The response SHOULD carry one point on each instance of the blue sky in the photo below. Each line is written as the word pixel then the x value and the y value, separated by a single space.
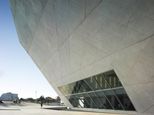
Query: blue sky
pixel 18 73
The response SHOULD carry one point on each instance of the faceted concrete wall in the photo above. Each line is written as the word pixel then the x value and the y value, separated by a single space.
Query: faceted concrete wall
pixel 73 39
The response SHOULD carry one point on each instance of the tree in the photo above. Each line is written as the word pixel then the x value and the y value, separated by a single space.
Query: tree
pixel 58 99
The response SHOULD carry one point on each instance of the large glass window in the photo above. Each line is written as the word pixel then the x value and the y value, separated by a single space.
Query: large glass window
pixel 102 91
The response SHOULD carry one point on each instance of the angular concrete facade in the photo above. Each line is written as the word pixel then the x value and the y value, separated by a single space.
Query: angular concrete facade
pixel 70 40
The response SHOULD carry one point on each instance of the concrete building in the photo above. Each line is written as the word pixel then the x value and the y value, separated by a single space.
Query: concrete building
pixel 97 54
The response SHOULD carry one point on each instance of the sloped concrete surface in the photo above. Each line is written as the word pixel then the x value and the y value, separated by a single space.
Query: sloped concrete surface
pixel 70 40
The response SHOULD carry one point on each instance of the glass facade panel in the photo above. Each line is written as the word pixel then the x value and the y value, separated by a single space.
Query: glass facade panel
pixel 112 79
pixel 102 91
pixel 77 87
pixel 105 103
pixel 95 99
pixel 73 100
pixel 91 83
pixel 87 100
pixel 124 99
pixel 116 104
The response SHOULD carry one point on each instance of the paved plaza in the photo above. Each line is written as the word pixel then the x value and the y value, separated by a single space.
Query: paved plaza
pixel 34 109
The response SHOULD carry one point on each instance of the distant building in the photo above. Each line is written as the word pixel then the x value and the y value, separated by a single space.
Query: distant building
pixel 9 97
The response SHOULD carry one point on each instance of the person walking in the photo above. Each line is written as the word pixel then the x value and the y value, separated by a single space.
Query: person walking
pixel 41 101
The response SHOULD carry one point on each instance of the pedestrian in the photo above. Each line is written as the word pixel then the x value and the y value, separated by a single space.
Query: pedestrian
pixel 41 101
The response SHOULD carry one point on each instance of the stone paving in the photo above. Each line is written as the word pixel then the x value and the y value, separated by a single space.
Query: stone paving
pixel 34 109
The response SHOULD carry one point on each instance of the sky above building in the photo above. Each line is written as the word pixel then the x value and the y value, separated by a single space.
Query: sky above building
pixel 18 73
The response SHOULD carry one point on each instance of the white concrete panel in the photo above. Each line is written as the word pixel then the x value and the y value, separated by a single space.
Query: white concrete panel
pixel 125 61
pixel 91 5
pixel 42 43
pixel 140 96
pixel 47 27
pixel 145 8
pixel 62 21
pixel 76 14
pixel 102 30
pixel 75 62
pixel 148 49
pixel 87 51
pixel 52 69
pixel 64 56
pixel 33 12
